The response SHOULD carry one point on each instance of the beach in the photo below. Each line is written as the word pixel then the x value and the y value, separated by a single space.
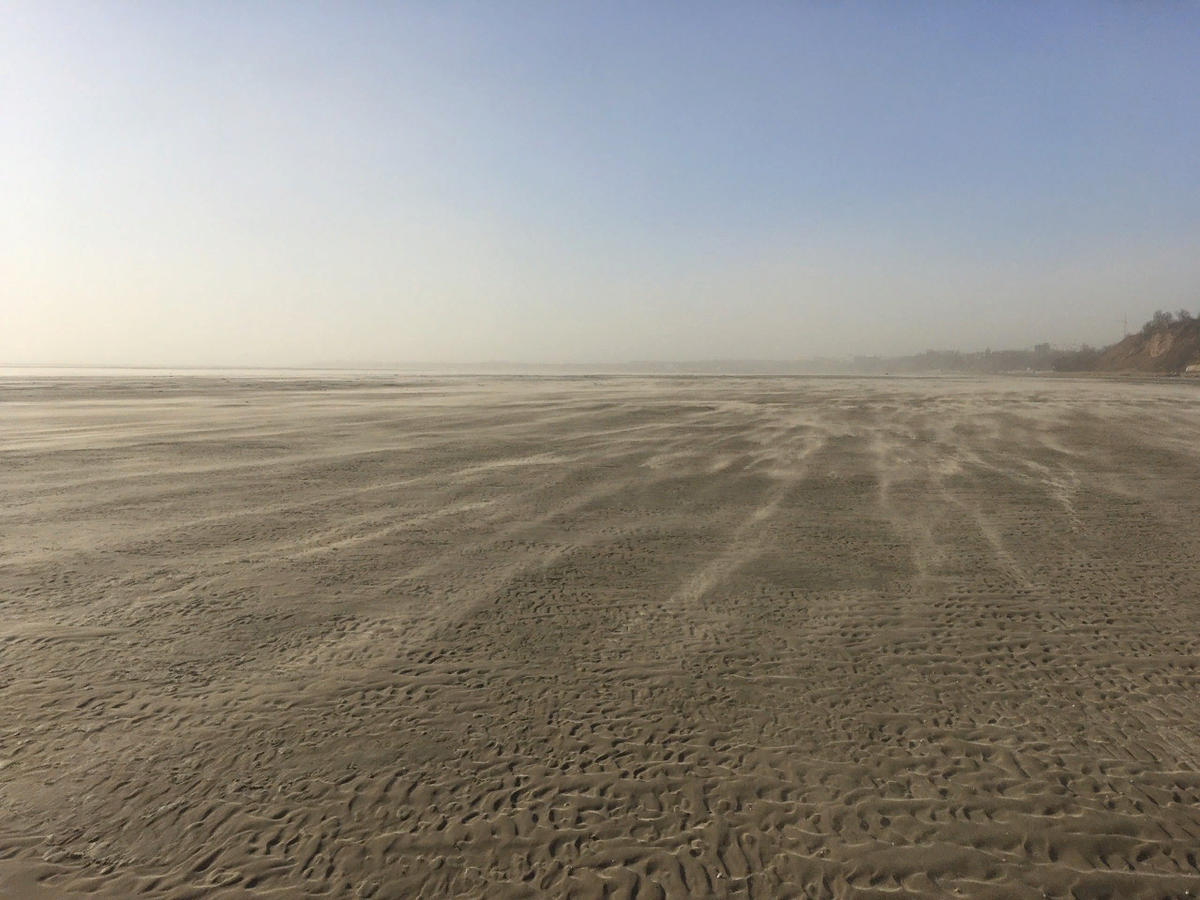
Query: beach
pixel 642 637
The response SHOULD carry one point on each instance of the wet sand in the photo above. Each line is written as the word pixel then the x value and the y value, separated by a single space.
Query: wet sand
pixel 619 637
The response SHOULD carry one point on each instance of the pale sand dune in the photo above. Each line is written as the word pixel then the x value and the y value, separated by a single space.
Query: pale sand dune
pixel 581 638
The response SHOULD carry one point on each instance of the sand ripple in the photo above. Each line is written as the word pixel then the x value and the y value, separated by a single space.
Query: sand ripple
pixel 654 638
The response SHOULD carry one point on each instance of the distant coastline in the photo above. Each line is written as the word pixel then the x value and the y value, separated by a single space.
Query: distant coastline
pixel 1165 345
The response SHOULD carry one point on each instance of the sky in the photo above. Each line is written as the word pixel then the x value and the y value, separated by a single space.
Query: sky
pixel 269 183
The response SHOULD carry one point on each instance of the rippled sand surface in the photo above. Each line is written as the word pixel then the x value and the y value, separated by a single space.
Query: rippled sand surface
pixel 644 638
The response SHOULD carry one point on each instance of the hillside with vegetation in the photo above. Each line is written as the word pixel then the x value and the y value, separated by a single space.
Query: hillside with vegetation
pixel 1166 345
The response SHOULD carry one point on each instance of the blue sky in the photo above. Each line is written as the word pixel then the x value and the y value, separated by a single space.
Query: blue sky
pixel 269 183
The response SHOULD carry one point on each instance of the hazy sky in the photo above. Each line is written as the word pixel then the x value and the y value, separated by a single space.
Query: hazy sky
pixel 285 182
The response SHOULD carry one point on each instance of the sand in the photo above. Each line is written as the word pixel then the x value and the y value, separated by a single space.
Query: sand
pixel 620 637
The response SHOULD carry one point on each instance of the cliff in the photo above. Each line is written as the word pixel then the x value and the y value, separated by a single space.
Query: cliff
pixel 1160 348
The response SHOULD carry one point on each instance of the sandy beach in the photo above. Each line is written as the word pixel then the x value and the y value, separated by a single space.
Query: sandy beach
pixel 599 637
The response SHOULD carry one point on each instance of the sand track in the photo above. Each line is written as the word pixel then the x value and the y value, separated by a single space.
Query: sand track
pixel 599 638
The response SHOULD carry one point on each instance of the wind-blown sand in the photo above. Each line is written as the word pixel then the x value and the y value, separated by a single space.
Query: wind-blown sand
pixel 599 637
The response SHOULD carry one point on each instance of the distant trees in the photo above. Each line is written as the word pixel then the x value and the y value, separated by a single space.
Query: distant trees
pixel 1080 360
pixel 1162 320
pixel 1040 359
